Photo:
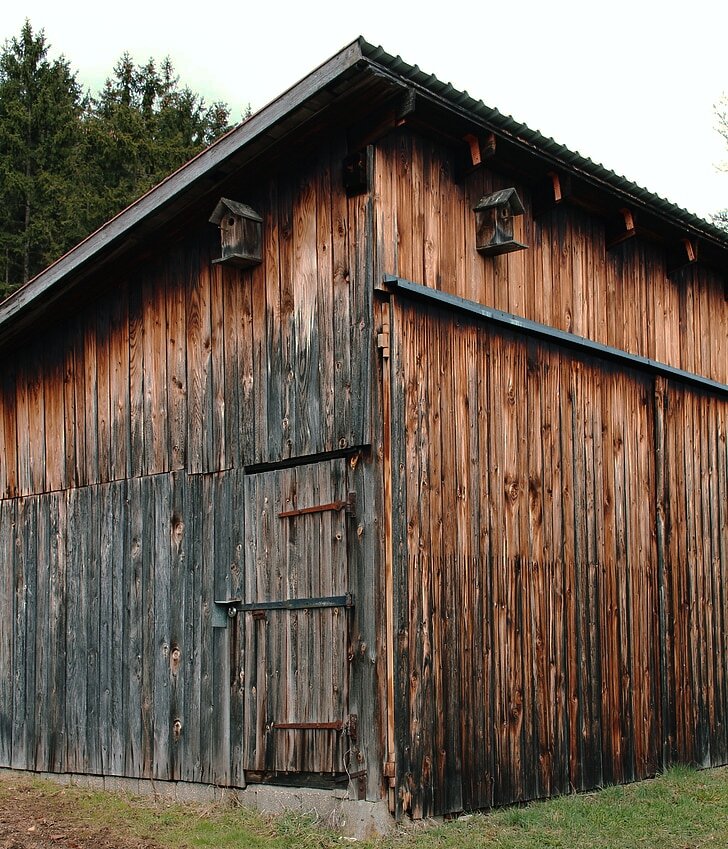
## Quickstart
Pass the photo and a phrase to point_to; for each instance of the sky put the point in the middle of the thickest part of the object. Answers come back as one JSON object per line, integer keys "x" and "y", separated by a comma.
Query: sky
{"x": 629, "y": 84}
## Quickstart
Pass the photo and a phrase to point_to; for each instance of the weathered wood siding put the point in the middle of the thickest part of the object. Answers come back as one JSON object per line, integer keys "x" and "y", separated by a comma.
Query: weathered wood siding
{"x": 188, "y": 365}
{"x": 107, "y": 649}
{"x": 127, "y": 434}
{"x": 566, "y": 279}
{"x": 560, "y": 553}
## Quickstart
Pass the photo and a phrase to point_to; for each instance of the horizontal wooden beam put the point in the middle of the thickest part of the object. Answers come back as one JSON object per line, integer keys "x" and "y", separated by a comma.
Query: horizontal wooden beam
{"x": 581, "y": 344}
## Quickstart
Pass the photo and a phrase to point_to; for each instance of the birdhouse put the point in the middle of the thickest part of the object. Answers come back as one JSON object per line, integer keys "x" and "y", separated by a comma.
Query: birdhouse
{"x": 241, "y": 233}
{"x": 494, "y": 216}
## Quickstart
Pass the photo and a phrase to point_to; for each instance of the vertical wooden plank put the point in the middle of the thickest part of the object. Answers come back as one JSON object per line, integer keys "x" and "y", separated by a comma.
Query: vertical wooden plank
{"x": 282, "y": 424}
{"x": 221, "y": 580}
{"x": 119, "y": 385}
{"x": 265, "y": 307}
{"x": 325, "y": 274}
{"x": 7, "y": 627}
{"x": 191, "y": 756}
{"x": 219, "y": 451}
{"x": 36, "y": 422}
{"x": 104, "y": 423}
{"x": 71, "y": 418}
{"x": 156, "y": 426}
{"x": 205, "y": 598}
{"x": 8, "y": 413}
{"x": 76, "y": 633}
{"x": 664, "y": 565}
{"x": 107, "y": 637}
{"x": 237, "y": 681}
{"x": 306, "y": 309}
{"x": 176, "y": 338}
{"x": 53, "y": 403}
{"x": 362, "y": 340}
{"x": 132, "y": 629}
{"x": 119, "y": 626}
{"x": 408, "y": 249}
{"x": 451, "y": 589}
{"x": 92, "y": 621}
{"x": 42, "y": 646}
{"x": 178, "y": 637}
{"x": 136, "y": 379}
{"x": 198, "y": 361}
{"x": 161, "y": 648}
{"x": 90, "y": 402}
{"x": 56, "y": 719}
{"x": 233, "y": 284}
{"x": 147, "y": 622}
{"x": 23, "y": 429}
{"x": 344, "y": 273}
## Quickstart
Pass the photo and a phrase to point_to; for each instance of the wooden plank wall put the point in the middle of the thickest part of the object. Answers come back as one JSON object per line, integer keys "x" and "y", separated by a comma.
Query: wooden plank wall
{"x": 106, "y": 637}
{"x": 534, "y": 653}
{"x": 425, "y": 232}
{"x": 186, "y": 365}
{"x": 125, "y": 432}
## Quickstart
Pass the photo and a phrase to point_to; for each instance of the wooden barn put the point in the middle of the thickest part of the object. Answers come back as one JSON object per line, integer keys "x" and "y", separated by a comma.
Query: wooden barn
{"x": 381, "y": 447}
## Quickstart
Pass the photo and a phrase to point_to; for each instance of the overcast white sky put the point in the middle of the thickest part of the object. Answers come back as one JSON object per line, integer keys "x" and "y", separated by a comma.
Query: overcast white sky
{"x": 629, "y": 84}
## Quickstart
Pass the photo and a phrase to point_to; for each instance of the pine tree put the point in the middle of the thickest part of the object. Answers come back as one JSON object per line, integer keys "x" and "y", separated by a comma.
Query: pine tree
{"x": 140, "y": 128}
{"x": 40, "y": 108}
{"x": 69, "y": 162}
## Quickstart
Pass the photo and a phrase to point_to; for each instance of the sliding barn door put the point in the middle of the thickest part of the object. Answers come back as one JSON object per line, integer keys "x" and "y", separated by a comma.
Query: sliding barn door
{"x": 292, "y": 620}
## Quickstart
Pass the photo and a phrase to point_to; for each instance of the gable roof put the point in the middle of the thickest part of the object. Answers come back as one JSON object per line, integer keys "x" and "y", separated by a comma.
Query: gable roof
{"x": 358, "y": 69}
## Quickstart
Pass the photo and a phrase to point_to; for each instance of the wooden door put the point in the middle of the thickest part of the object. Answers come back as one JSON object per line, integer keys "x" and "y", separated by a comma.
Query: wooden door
{"x": 293, "y": 617}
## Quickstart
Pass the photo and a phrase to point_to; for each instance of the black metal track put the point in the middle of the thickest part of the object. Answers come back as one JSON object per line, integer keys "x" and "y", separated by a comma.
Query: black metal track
{"x": 551, "y": 334}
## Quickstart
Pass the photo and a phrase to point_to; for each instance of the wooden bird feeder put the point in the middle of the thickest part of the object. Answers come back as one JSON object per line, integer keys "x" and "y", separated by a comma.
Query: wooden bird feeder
{"x": 241, "y": 233}
{"x": 494, "y": 216}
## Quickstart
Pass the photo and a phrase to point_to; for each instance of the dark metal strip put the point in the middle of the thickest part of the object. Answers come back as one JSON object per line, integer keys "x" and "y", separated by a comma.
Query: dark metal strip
{"x": 346, "y": 600}
{"x": 308, "y": 726}
{"x": 551, "y": 334}
{"x": 305, "y": 460}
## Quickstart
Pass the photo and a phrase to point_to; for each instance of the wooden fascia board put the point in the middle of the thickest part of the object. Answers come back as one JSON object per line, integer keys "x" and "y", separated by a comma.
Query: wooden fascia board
{"x": 173, "y": 188}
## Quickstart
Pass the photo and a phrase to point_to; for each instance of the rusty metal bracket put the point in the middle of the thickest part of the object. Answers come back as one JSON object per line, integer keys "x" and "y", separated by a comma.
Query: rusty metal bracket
{"x": 332, "y": 507}
{"x": 338, "y": 725}
{"x": 352, "y": 728}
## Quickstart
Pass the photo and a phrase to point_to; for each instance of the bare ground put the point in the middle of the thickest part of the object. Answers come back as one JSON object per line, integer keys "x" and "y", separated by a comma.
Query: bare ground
{"x": 30, "y": 820}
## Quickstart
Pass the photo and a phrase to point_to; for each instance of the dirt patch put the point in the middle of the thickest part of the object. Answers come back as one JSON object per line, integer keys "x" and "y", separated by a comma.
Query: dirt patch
{"x": 31, "y": 819}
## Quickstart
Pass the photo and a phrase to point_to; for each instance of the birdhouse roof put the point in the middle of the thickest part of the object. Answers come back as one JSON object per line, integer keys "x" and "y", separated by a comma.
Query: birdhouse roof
{"x": 505, "y": 197}
{"x": 226, "y": 206}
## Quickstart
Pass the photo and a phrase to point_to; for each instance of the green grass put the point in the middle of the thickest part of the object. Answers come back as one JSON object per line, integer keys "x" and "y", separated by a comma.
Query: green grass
{"x": 683, "y": 809}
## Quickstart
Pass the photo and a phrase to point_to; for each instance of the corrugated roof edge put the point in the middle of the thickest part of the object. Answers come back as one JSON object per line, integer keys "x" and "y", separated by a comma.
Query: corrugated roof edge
{"x": 506, "y": 124}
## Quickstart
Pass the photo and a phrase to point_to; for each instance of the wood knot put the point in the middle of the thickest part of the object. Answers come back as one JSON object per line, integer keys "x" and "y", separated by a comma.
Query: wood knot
{"x": 177, "y": 728}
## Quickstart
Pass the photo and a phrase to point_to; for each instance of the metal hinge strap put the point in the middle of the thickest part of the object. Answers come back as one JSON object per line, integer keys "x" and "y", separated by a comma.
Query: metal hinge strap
{"x": 234, "y": 605}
